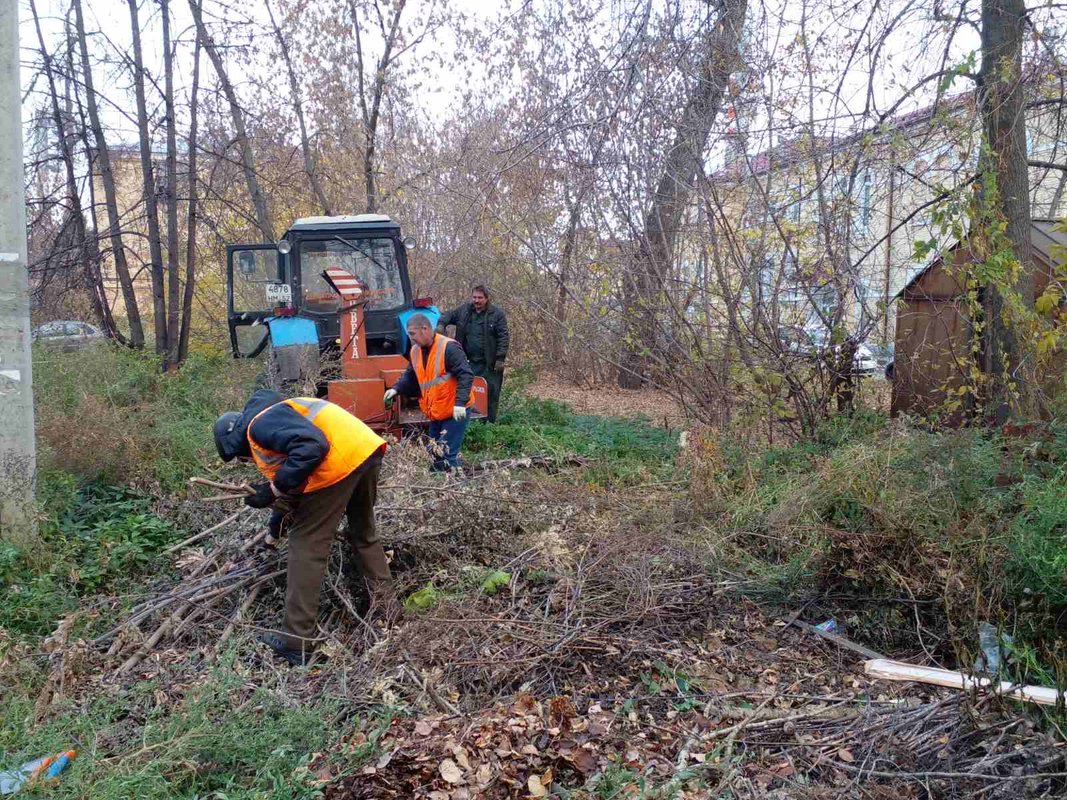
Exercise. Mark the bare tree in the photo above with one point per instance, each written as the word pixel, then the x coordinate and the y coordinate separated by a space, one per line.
pixel 74 217
pixel 107 178
pixel 192 211
pixel 644 288
pixel 370 99
pixel 248 161
pixel 298 109
pixel 1002 102
pixel 171 195
pixel 148 182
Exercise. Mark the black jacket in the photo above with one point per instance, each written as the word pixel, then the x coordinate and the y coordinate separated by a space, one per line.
pixel 283 430
pixel 496 336
pixel 455 364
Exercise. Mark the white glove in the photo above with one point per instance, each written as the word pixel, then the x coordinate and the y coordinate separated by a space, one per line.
pixel 459 413
pixel 389 395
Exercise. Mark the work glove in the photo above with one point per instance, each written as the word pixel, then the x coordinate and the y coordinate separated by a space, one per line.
pixel 263 496
pixel 459 413
pixel 389 395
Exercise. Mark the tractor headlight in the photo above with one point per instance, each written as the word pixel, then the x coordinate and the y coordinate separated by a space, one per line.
pixel 284 246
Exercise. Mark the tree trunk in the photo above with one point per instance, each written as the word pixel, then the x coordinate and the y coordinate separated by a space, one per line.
pixel 372 106
pixel 1004 122
pixel 92 242
pixel 644 286
pixel 298 107
pixel 155 244
pixel 190 243
pixel 173 281
pixel 107 178
pixel 248 162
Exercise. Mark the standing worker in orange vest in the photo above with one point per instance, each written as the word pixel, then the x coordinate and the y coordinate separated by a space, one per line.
pixel 440 377
pixel 320 462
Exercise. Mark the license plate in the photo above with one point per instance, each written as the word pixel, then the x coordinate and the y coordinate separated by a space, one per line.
pixel 279 293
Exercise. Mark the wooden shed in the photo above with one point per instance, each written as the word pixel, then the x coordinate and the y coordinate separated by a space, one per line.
pixel 933 351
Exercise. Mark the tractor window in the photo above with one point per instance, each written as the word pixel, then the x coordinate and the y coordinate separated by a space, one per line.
pixel 253 272
pixel 372 260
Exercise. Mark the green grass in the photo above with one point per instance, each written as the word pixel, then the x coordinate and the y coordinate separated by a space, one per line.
pixel 619 450
pixel 217 738
pixel 93 538
pixel 108 413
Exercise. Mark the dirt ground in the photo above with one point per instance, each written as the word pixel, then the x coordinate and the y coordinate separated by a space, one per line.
pixel 575 642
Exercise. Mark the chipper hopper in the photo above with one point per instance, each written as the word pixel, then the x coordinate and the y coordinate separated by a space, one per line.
pixel 333 290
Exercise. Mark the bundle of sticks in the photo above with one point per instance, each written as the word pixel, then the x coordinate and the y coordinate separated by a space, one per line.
pixel 228 573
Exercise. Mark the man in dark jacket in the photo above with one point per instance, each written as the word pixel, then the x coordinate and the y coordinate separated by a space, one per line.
pixel 441 378
pixel 320 463
pixel 482 332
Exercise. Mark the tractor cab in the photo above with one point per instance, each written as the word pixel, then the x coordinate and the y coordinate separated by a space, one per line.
pixel 285 278
pixel 335 291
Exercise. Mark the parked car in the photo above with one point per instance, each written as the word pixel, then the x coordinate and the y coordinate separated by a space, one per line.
pixel 815 343
pixel 67 334
pixel 884 355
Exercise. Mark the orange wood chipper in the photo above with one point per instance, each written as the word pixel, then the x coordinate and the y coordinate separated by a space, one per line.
pixel 332 297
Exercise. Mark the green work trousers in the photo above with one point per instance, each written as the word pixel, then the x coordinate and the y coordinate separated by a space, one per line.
pixel 495 380
pixel 312 527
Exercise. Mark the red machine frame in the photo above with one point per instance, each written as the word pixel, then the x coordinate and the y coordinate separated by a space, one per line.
pixel 361 390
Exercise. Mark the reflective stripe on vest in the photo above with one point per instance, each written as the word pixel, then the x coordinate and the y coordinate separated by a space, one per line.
pixel 438 366
pixel 351 443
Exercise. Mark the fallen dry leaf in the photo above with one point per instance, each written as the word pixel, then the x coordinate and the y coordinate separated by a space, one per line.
pixel 535 787
pixel 583 761
pixel 383 762
pixel 423 728
pixel 845 755
pixel 450 771
pixel 461 757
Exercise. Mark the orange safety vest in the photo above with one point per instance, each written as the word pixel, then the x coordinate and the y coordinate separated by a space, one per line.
pixel 437 386
pixel 351 442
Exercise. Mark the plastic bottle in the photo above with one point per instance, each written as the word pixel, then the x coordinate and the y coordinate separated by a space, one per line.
pixel 13 780
pixel 46 767
pixel 989 642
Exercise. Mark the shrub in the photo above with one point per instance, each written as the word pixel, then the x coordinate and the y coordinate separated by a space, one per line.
pixel 107 413
pixel 967 525
pixel 94 537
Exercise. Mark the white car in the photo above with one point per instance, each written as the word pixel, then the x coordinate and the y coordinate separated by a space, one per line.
pixel 864 362
pixel 814 343
pixel 68 334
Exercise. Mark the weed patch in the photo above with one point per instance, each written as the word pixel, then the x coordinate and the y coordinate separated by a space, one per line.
pixel 108 414
pixel 93 538
pixel 218 738
pixel 618 449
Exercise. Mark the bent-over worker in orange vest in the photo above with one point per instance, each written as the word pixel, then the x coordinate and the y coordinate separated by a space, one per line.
pixel 440 377
pixel 320 462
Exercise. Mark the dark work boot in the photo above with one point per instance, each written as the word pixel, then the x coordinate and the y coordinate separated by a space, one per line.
pixel 296 658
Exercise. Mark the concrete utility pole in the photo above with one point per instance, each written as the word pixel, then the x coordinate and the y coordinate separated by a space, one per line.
pixel 17 453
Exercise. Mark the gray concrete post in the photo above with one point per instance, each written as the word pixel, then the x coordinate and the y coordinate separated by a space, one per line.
pixel 17 452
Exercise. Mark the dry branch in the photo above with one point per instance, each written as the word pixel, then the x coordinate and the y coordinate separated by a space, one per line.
pixel 899 671
pixel 186 542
